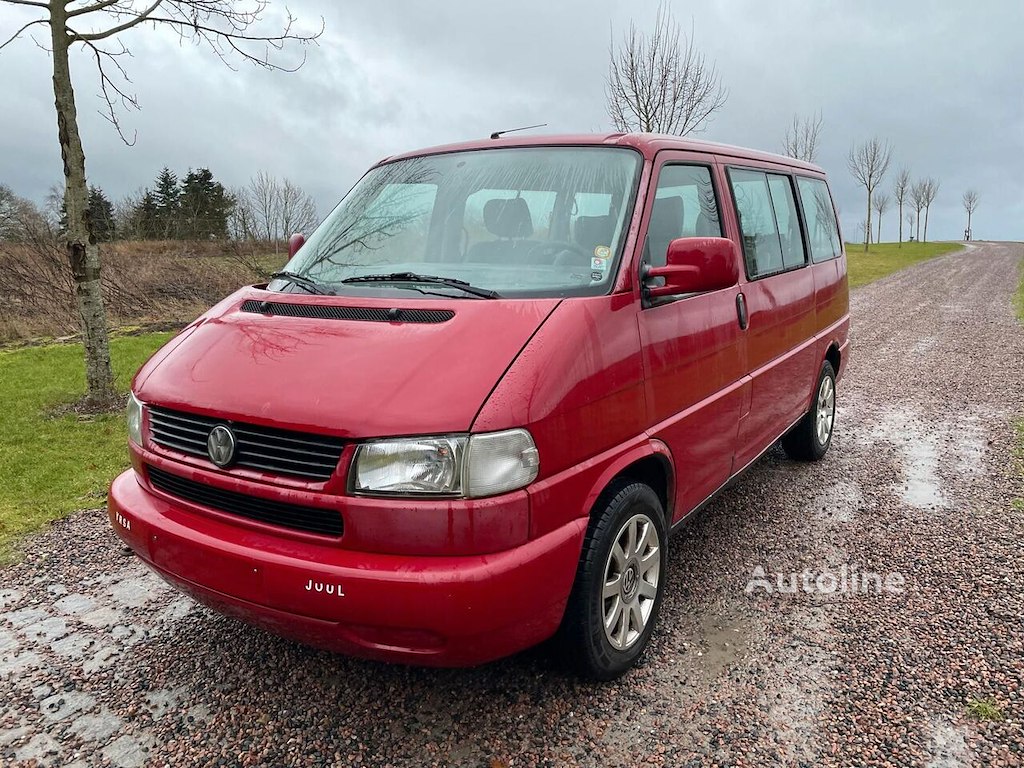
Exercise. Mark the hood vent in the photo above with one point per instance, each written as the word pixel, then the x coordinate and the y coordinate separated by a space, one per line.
pixel 334 312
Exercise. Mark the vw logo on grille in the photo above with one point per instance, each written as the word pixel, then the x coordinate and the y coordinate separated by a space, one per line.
pixel 220 445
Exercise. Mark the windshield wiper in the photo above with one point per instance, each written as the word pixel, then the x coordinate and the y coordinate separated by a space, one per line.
pixel 312 286
pixel 412 277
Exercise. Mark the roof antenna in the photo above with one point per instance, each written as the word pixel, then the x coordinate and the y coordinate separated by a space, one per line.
pixel 498 134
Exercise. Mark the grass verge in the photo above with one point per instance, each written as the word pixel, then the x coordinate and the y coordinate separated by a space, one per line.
pixel 54 465
pixel 885 258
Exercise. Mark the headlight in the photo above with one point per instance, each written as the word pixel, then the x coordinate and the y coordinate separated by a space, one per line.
pixel 474 466
pixel 426 465
pixel 134 419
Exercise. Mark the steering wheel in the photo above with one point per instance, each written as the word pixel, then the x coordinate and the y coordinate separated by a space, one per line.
pixel 557 248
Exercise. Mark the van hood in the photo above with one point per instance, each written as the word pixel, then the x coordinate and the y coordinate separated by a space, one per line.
pixel 347 377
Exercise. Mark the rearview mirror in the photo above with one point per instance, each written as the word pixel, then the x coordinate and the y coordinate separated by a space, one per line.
pixel 295 242
pixel 696 265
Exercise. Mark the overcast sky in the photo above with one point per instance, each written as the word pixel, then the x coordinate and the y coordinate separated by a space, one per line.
pixel 942 82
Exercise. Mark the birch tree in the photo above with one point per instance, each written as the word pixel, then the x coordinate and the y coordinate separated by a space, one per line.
pixel 868 163
pixel 900 190
pixel 660 82
pixel 801 139
pixel 931 189
pixel 881 204
pixel 233 31
pixel 970 203
pixel 918 198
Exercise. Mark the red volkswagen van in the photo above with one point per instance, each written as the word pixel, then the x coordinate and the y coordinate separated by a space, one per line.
pixel 470 411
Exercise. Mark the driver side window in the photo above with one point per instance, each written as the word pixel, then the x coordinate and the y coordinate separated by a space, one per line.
pixel 684 206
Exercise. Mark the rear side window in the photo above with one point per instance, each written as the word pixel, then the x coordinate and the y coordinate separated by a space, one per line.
pixel 787 220
pixel 822 229
pixel 684 206
pixel 762 246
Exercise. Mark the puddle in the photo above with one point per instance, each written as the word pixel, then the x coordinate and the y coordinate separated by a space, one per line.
pixel 721 642
pixel 920 468
pixel 970 443
pixel 918 446
pixel 948 747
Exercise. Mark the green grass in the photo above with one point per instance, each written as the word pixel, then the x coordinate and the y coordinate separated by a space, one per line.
pixel 54 465
pixel 984 709
pixel 885 258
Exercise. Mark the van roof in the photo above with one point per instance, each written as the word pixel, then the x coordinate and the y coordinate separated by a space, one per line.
pixel 647 143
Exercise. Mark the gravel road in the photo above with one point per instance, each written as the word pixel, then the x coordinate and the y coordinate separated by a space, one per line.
pixel 102 664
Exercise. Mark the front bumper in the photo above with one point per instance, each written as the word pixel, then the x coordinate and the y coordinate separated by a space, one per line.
pixel 438 611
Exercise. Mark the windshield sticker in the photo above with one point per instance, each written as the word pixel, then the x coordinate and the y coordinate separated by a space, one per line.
pixel 602 252
pixel 598 263
pixel 597 276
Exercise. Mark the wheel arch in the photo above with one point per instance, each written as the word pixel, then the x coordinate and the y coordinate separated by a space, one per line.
pixel 650 464
pixel 834 356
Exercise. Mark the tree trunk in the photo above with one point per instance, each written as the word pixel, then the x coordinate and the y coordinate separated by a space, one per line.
pixel 926 224
pixel 917 218
pixel 867 229
pixel 901 226
pixel 879 238
pixel 968 225
pixel 80 243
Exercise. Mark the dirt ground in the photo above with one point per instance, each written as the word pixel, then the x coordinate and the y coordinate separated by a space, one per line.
pixel 102 664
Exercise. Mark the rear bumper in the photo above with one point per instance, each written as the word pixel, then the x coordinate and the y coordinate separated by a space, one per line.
pixel 439 611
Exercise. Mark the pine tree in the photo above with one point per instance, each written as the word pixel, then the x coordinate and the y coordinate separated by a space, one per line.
pixel 205 205
pixel 145 217
pixel 167 197
pixel 101 212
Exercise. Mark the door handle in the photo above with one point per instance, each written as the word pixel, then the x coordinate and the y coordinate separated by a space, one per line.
pixel 741 311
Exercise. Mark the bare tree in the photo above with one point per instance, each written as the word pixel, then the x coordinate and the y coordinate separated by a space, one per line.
pixel 909 218
pixel 124 216
pixel 931 189
pixel 229 29
pixel 801 139
pixel 900 189
pixel 271 210
pixel 264 200
pixel 918 198
pixel 660 83
pixel 297 209
pixel 868 163
pixel 881 204
pixel 970 203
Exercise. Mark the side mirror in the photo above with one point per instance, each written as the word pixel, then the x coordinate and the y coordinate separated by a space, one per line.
pixel 696 265
pixel 295 242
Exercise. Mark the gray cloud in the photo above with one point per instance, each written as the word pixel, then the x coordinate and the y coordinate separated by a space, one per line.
pixel 941 83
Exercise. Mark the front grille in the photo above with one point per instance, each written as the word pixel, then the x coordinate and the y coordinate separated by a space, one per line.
pixel 281 451
pixel 333 312
pixel 311 519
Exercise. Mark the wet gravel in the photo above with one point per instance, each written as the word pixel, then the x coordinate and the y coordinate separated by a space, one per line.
pixel 102 664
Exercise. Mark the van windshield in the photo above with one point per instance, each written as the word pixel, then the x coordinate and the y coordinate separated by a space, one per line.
pixel 517 222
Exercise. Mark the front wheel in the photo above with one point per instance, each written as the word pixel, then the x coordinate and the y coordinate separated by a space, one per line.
pixel 810 438
pixel 619 584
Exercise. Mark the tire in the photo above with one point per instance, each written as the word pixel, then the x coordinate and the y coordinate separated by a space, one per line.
pixel 626 512
pixel 810 438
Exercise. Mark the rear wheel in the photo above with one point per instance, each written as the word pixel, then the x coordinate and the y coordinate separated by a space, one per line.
pixel 810 438
pixel 619 584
